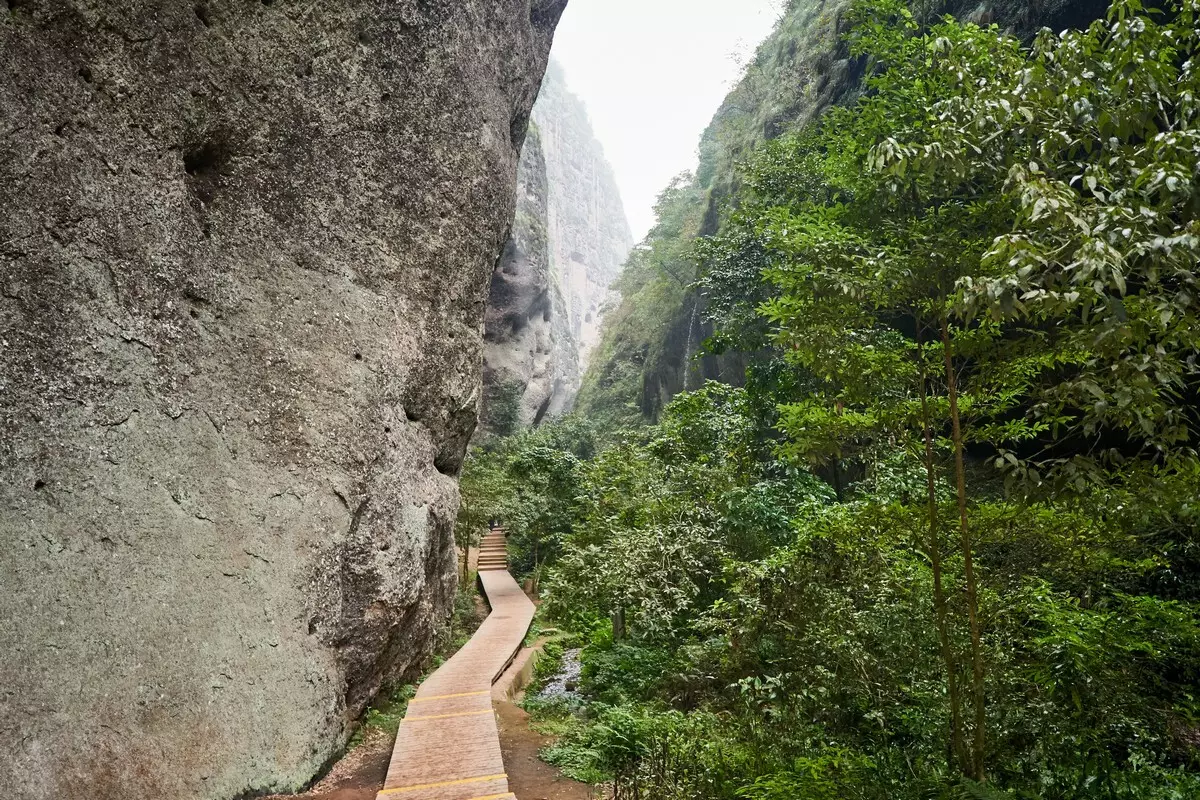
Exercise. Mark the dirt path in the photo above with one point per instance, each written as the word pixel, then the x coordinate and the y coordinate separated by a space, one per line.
pixel 358 776
pixel 529 777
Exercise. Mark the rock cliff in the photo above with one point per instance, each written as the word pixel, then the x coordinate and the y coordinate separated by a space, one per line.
pixel 244 260
pixel 569 241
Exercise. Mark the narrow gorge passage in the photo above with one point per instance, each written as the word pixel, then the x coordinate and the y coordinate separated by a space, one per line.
pixel 832 365
pixel 448 746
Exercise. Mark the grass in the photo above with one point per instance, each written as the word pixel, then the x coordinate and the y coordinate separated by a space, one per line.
pixel 385 714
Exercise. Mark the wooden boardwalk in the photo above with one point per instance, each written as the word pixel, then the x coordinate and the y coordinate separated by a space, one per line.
pixel 448 746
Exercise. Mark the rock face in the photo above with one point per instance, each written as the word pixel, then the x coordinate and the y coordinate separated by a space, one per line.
pixel 244 259
pixel 588 231
pixel 569 242
pixel 530 355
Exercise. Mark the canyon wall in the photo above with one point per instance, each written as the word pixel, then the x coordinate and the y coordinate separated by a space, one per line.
pixel 569 242
pixel 245 254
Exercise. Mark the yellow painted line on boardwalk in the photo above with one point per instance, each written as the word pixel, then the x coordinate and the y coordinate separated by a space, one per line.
pixel 493 796
pixel 459 782
pixel 448 696
pixel 445 716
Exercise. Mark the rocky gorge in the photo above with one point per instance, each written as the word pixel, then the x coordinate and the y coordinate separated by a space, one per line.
pixel 569 241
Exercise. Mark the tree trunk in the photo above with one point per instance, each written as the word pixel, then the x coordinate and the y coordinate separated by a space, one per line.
pixel 618 621
pixel 968 561
pixel 957 744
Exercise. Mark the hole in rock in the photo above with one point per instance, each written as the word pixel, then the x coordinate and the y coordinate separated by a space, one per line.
pixel 39 484
pixel 202 15
pixel 358 356
pixel 445 463
pixel 542 409
pixel 206 164
pixel 203 160
pixel 85 72
pixel 387 428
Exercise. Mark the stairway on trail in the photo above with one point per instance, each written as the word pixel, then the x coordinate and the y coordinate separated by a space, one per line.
pixel 448 745
pixel 493 550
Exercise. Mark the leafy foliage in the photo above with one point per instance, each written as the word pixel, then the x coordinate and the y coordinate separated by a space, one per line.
pixel 529 482
pixel 942 543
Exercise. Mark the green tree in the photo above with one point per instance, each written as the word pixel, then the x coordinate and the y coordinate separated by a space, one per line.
pixel 951 215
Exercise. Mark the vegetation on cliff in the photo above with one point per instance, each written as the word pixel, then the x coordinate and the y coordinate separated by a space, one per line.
pixel 804 67
pixel 942 540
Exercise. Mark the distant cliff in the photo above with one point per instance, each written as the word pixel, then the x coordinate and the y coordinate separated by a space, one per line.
pixel 647 352
pixel 569 241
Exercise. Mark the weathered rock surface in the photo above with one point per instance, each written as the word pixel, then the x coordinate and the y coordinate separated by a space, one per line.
pixel 244 259
pixel 587 229
pixel 530 356
pixel 569 241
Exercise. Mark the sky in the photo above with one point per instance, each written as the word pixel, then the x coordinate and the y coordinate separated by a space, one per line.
pixel 652 74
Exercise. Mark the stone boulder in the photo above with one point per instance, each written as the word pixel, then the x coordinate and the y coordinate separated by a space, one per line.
pixel 245 252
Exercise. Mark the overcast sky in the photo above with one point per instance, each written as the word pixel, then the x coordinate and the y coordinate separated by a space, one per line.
pixel 652 74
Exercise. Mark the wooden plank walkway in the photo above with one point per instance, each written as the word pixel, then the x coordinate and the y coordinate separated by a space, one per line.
pixel 448 746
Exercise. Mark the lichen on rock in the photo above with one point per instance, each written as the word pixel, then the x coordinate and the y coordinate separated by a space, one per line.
pixel 244 259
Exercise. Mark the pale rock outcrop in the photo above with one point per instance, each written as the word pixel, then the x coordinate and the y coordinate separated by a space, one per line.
pixel 568 245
